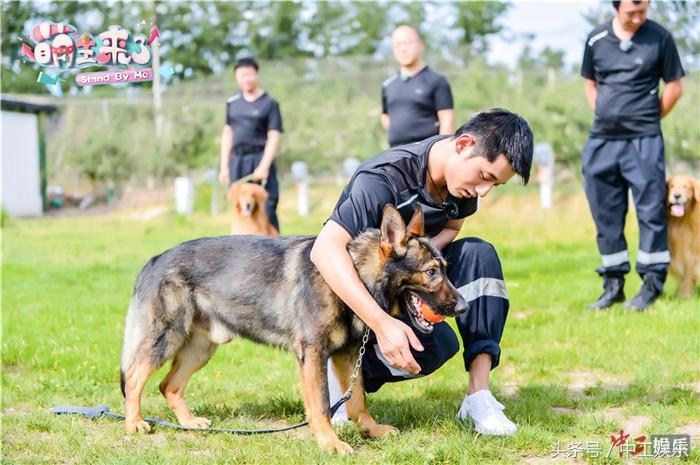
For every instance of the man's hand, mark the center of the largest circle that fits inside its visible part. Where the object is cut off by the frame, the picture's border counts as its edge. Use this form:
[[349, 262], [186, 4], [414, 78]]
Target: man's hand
[[223, 176], [672, 92], [261, 173], [394, 337]]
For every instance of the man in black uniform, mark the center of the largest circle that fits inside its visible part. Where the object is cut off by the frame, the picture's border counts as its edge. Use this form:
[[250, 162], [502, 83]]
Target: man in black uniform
[[251, 136], [444, 175], [622, 63], [416, 101]]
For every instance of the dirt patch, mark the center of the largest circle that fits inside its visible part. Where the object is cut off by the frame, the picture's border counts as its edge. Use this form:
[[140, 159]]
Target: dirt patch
[[564, 410], [579, 381], [521, 315], [634, 425], [693, 386], [510, 388], [693, 429]]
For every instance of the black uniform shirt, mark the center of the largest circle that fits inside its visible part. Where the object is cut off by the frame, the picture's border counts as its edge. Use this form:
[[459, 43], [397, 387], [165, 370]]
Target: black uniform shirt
[[396, 176], [412, 104], [627, 102], [251, 120]]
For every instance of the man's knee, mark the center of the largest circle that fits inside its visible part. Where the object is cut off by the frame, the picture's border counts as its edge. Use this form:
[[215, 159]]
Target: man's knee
[[475, 250]]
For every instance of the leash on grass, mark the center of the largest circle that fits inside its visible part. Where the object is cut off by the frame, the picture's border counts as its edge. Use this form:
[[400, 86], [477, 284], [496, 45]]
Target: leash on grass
[[103, 410]]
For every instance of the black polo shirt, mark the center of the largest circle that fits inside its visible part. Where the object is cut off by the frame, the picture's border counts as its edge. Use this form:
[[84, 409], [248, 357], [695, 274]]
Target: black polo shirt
[[627, 102], [396, 176], [412, 103], [251, 120]]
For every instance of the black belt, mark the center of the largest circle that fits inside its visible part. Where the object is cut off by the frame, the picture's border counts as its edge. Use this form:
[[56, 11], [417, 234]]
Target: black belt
[[241, 150]]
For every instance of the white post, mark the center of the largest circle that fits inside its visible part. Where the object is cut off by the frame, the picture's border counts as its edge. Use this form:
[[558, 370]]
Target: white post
[[300, 174], [544, 160], [184, 195], [303, 198]]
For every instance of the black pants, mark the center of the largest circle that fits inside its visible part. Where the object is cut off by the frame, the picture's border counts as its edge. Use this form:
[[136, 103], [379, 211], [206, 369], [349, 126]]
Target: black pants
[[611, 168], [474, 268], [242, 163]]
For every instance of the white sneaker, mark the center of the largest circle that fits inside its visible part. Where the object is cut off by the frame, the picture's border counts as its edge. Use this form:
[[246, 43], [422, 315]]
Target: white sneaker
[[486, 413], [341, 415]]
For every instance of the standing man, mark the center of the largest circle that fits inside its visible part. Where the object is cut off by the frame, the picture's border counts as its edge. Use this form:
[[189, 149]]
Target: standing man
[[251, 136], [416, 101], [623, 61], [444, 175]]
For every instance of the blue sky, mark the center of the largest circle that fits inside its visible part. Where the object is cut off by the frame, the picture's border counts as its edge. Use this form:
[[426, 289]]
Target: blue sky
[[557, 24]]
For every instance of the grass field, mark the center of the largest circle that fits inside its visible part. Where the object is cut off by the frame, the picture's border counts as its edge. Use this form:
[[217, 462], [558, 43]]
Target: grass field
[[567, 375]]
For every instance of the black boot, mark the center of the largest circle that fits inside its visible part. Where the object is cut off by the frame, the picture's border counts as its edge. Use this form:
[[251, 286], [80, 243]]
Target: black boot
[[649, 292], [613, 292]]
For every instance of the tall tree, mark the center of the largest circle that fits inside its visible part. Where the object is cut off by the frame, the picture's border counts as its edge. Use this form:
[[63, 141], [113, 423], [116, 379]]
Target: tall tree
[[478, 20], [16, 76], [552, 58]]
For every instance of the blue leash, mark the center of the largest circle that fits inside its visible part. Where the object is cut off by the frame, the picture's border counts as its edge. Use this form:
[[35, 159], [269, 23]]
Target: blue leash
[[103, 410]]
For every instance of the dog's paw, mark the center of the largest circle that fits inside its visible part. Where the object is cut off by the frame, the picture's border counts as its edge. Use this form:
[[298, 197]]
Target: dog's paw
[[379, 431], [337, 447], [137, 426], [196, 422]]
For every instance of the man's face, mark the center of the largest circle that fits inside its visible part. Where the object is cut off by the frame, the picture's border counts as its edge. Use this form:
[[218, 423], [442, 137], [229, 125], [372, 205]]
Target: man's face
[[468, 174], [631, 15], [407, 45], [247, 78]]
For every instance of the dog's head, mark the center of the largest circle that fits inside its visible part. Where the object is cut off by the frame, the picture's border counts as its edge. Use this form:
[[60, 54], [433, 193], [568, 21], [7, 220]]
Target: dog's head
[[247, 198], [683, 193], [405, 270]]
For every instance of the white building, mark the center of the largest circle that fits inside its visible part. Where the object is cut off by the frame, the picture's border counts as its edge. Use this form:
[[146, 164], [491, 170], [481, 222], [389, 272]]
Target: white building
[[23, 157]]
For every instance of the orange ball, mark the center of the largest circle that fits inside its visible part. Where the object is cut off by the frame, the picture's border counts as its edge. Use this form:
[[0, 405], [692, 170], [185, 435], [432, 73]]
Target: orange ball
[[429, 315]]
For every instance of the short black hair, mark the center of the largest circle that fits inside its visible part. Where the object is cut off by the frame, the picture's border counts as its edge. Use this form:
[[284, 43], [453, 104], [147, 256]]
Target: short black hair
[[411, 26], [246, 62], [498, 131], [616, 3]]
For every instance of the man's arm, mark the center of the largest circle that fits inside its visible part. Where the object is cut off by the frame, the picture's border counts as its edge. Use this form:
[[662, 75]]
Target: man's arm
[[672, 93], [330, 256], [272, 146], [447, 121], [591, 89], [384, 119], [226, 146], [448, 233]]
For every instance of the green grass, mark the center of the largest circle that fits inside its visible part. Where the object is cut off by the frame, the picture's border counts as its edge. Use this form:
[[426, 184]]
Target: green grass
[[66, 284]]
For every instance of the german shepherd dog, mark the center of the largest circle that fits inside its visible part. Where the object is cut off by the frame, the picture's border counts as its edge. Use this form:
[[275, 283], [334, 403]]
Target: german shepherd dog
[[200, 294]]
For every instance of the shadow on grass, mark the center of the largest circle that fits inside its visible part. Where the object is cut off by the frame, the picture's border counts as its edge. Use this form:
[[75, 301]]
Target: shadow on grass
[[532, 404]]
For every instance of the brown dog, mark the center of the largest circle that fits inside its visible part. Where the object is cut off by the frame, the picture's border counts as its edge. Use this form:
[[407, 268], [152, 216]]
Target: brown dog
[[248, 204], [683, 209]]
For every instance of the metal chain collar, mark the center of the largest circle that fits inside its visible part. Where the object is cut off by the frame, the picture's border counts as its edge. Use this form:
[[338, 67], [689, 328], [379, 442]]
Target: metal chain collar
[[358, 363]]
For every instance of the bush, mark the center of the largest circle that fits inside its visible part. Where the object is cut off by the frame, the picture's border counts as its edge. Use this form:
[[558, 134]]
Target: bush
[[331, 111]]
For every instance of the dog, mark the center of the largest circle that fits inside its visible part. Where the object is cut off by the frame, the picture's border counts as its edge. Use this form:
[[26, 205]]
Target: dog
[[683, 210], [248, 205], [200, 294]]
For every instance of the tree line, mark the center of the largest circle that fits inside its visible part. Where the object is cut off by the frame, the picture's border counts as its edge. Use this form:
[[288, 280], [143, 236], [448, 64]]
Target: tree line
[[202, 38]]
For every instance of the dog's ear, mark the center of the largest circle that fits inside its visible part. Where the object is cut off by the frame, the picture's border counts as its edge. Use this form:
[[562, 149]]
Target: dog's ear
[[696, 188], [261, 195], [416, 226], [233, 193], [393, 231]]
